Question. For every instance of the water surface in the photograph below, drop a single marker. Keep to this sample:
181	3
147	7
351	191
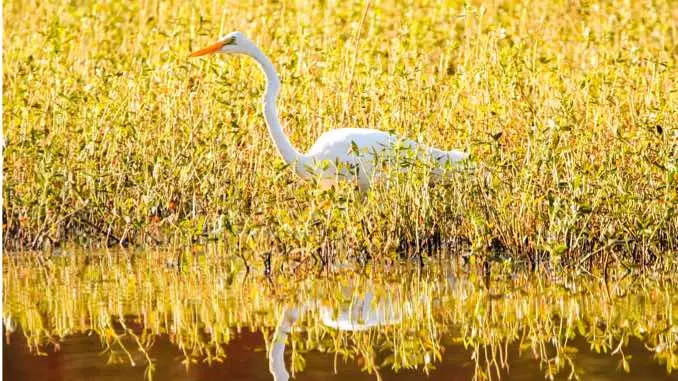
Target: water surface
201	316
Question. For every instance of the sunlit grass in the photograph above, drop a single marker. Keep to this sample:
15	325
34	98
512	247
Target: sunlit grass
201	300
569	109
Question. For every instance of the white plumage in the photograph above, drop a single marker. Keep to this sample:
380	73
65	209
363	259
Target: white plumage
342	154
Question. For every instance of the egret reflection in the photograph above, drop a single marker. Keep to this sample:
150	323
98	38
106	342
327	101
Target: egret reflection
359	313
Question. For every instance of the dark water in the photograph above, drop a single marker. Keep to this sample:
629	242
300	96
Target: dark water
79	358
133	317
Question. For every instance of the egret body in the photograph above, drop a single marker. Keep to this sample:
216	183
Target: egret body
342	154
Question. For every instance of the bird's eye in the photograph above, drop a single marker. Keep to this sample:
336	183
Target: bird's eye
230	41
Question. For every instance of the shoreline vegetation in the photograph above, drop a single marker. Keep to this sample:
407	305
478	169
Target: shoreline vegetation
569	109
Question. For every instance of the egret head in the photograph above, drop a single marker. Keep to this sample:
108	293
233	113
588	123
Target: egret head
232	43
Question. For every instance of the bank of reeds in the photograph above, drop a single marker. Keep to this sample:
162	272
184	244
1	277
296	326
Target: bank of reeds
570	110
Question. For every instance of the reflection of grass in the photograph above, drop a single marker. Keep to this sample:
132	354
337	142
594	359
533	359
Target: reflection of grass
201	299
113	135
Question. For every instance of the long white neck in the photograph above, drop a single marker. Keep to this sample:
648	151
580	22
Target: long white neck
282	142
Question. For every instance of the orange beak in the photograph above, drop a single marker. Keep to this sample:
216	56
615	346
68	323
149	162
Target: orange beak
208	50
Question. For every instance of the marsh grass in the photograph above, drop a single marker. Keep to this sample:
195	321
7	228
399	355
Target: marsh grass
202	299
113	137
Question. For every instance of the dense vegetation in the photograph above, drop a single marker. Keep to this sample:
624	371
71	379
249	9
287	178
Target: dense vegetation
570	110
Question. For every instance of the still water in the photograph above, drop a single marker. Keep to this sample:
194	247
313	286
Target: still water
201	316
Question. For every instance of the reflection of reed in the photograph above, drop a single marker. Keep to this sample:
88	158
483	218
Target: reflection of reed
398	320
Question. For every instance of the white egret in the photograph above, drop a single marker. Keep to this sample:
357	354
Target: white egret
341	154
